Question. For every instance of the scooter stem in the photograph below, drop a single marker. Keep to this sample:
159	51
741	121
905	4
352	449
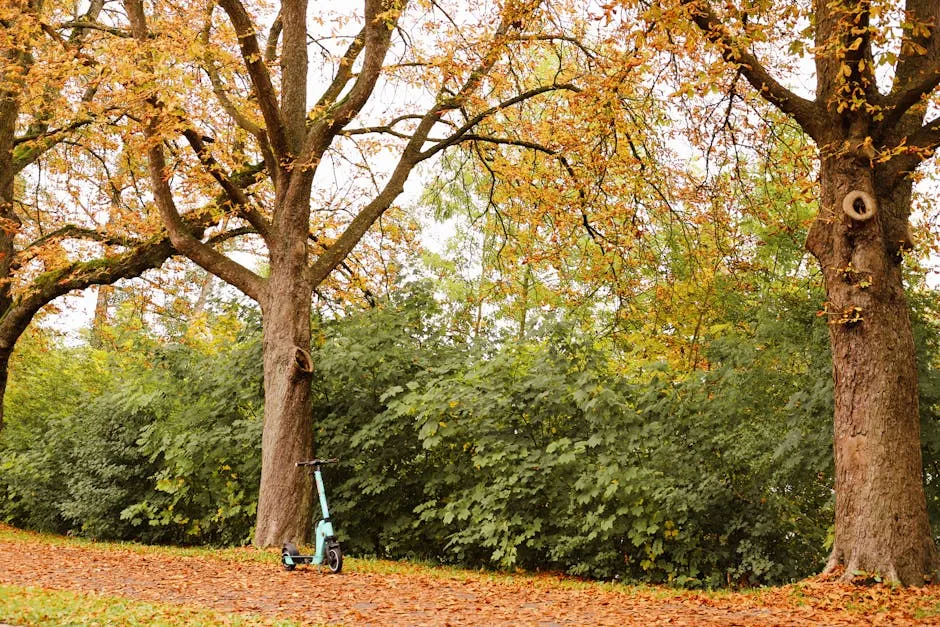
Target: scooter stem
321	492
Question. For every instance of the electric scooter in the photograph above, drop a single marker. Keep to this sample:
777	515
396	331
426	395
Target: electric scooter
327	546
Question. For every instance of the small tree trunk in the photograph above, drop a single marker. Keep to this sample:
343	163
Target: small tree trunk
102	302
100	321
205	291
4	375
881	521
286	491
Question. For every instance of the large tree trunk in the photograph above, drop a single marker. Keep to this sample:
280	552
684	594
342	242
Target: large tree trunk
286	492
881	521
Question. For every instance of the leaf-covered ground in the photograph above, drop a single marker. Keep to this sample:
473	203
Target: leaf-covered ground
130	584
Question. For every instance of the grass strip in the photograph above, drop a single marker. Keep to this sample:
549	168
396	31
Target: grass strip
29	606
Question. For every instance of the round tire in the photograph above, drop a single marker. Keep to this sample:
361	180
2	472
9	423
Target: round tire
334	558
290	549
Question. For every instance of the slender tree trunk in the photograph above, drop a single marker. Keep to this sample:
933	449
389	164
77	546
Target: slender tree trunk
101	320
881	521
205	291
286	491
102	302
4	375
524	300
9	223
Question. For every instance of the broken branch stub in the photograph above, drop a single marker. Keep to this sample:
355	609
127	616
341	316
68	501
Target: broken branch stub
302	361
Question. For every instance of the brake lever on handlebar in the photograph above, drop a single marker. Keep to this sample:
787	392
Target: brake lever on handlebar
318	462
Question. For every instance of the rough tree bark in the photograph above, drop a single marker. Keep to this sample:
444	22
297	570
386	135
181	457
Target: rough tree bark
869	144
286	495
881	516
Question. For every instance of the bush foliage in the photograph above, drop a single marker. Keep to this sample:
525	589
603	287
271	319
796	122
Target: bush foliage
149	441
549	453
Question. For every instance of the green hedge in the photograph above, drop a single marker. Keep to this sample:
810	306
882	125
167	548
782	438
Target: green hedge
544	454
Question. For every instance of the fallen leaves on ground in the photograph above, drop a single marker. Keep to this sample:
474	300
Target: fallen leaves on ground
251	582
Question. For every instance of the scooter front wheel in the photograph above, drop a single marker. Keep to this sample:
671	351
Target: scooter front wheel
334	558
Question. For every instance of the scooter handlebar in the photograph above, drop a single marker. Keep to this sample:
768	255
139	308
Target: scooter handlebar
318	462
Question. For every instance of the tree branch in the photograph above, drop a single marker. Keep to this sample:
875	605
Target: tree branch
259	75
344	73
86	24
381	17
807	113
388	128
30	147
240	119
506	141
233	192
921	145
76	276
294	72
479	117
917	72
73	231
218	87
82	274
270	46
412	153
181	237
185	241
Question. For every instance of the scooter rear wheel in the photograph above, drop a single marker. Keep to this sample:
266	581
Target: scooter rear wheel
290	549
334	558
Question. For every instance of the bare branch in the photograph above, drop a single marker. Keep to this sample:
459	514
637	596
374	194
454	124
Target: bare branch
379	24
224	236
574	41
270	47
86	24
479	117
344	74
506	141
294	64
387	129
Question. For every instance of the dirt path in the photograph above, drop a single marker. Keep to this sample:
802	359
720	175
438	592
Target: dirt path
364	598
